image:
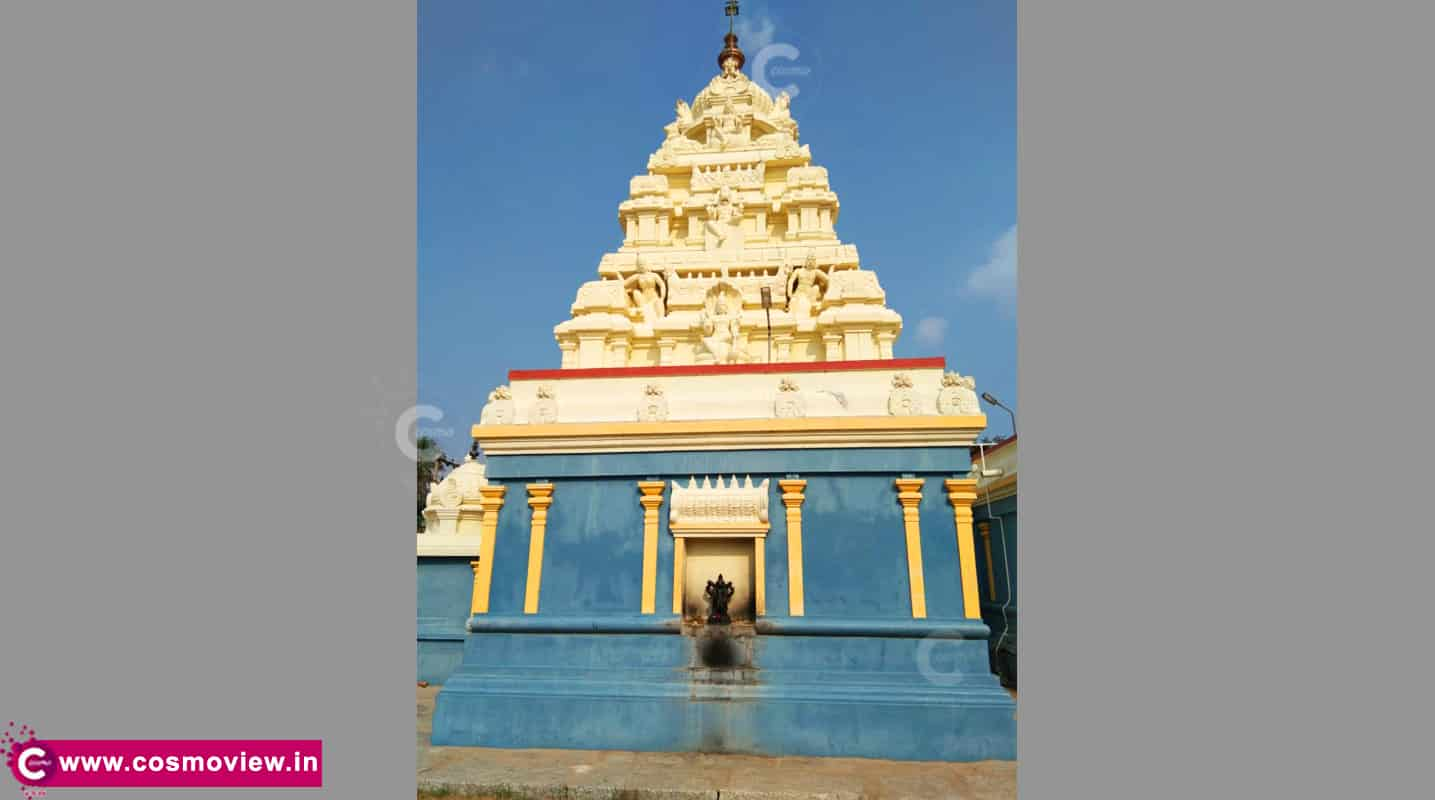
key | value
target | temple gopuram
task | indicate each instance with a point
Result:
(728, 520)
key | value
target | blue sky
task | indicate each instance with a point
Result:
(533, 116)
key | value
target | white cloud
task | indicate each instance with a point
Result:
(997, 277)
(931, 330)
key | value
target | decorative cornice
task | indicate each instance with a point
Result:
(733, 434)
(936, 362)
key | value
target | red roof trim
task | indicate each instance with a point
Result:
(936, 362)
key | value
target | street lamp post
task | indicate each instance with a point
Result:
(990, 398)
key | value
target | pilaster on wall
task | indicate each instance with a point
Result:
(961, 492)
(540, 497)
(909, 494)
(651, 500)
(491, 499)
(985, 529)
(792, 497)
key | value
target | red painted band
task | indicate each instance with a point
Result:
(935, 362)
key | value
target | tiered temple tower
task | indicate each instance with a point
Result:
(731, 205)
(686, 442)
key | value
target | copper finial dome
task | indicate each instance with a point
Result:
(731, 50)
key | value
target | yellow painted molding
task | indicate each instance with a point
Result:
(491, 500)
(729, 434)
(775, 425)
(651, 500)
(909, 494)
(1004, 486)
(960, 493)
(540, 497)
(985, 529)
(718, 530)
(792, 497)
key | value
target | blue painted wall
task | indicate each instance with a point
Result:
(590, 671)
(854, 548)
(1002, 515)
(445, 592)
(1000, 614)
(854, 545)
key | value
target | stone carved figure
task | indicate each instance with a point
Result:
(789, 402)
(499, 409)
(719, 594)
(647, 294)
(805, 288)
(545, 409)
(723, 227)
(721, 325)
(902, 402)
(685, 115)
(654, 405)
(730, 67)
(958, 395)
(459, 486)
(726, 129)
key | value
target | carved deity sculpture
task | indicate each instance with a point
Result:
(647, 294)
(721, 323)
(545, 408)
(719, 594)
(499, 410)
(723, 227)
(805, 288)
(726, 128)
(958, 395)
(789, 401)
(654, 405)
(902, 401)
(730, 67)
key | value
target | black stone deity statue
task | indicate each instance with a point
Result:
(719, 593)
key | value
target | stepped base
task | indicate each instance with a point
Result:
(900, 697)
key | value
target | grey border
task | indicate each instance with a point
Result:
(208, 319)
(1219, 210)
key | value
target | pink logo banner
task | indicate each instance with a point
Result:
(166, 763)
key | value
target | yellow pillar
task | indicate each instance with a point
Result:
(491, 500)
(985, 529)
(759, 580)
(540, 497)
(477, 571)
(792, 498)
(680, 569)
(909, 493)
(651, 500)
(961, 492)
